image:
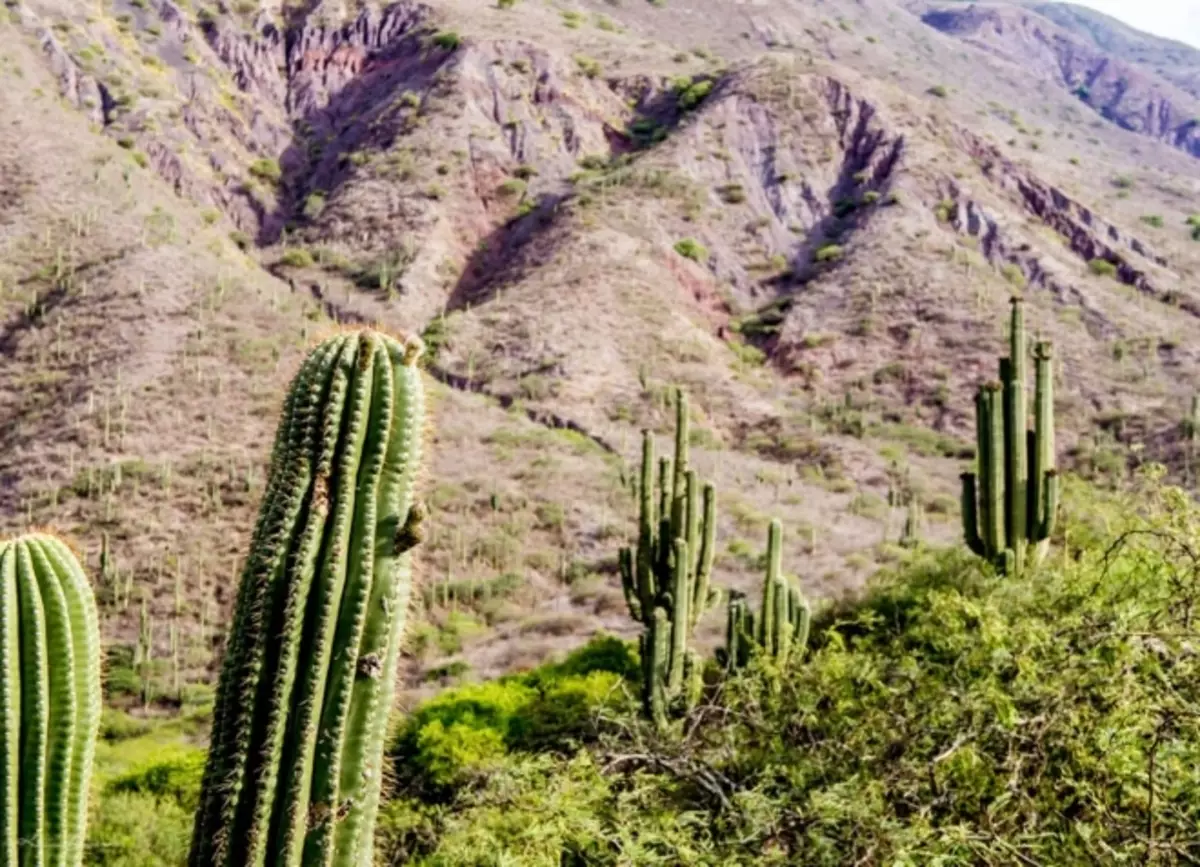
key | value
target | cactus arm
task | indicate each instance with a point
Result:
(693, 679)
(692, 520)
(34, 713)
(970, 516)
(647, 521)
(665, 503)
(679, 480)
(781, 631)
(1016, 473)
(60, 704)
(1035, 490)
(222, 780)
(735, 617)
(84, 636)
(774, 557)
(625, 563)
(259, 821)
(371, 398)
(1043, 448)
(1051, 514)
(702, 601)
(375, 676)
(658, 640)
(803, 624)
(10, 705)
(681, 594)
(993, 510)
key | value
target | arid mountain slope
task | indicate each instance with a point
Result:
(810, 225)
(1122, 92)
(1172, 61)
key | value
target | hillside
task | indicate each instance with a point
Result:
(810, 218)
(1173, 61)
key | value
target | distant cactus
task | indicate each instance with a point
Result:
(781, 628)
(294, 771)
(50, 707)
(666, 576)
(914, 517)
(1009, 519)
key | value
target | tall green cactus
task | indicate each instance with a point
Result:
(294, 770)
(781, 629)
(1009, 515)
(666, 577)
(50, 707)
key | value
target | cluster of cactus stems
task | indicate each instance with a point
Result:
(666, 576)
(1009, 507)
(294, 770)
(50, 707)
(780, 631)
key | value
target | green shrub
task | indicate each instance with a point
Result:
(174, 777)
(589, 66)
(447, 40)
(1014, 275)
(130, 830)
(938, 90)
(1102, 268)
(1153, 220)
(469, 730)
(694, 93)
(827, 253)
(296, 257)
(511, 188)
(266, 170)
(692, 249)
(314, 204)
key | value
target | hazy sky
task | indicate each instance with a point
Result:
(1175, 19)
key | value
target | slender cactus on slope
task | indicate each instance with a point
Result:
(781, 628)
(294, 771)
(1009, 509)
(666, 577)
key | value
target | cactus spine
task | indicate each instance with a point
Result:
(294, 771)
(666, 576)
(781, 629)
(50, 708)
(1009, 509)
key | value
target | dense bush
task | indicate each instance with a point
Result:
(468, 731)
(949, 717)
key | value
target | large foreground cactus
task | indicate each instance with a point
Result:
(293, 774)
(50, 707)
(666, 577)
(1009, 515)
(781, 628)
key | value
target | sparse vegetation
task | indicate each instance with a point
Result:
(938, 90)
(267, 169)
(447, 40)
(589, 66)
(1102, 268)
(828, 253)
(692, 249)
